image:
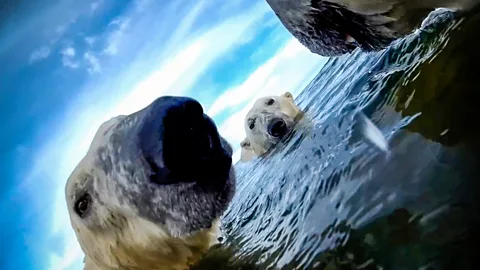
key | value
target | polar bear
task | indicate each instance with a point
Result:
(246, 153)
(269, 120)
(151, 189)
(274, 117)
(336, 27)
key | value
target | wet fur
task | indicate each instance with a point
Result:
(150, 248)
(135, 224)
(247, 153)
(258, 142)
(325, 27)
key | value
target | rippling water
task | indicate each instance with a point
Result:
(329, 199)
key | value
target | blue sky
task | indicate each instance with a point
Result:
(67, 66)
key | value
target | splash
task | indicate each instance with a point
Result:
(372, 133)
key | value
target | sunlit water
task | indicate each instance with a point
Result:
(327, 198)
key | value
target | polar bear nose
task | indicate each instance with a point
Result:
(177, 138)
(277, 128)
(183, 112)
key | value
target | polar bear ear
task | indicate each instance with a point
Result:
(288, 95)
(245, 144)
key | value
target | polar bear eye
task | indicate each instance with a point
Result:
(251, 124)
(82, 205)
(270, 102)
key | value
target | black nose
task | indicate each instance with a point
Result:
(187, 135)
(277, 128)
(178, 140)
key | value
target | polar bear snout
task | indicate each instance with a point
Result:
(182, 144)
(151, 189)
(277, 127)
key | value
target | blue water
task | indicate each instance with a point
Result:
(327, 198)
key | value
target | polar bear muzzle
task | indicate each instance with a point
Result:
(182, 145)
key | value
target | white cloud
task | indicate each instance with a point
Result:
(39, 54)
(94, 5)
(94, 63)
(255, 83)
(181, 71)
(115, 37)
(70, 52)
(68, 60)
(184, 26)
(46, 26)
(57, 33)
(90, 41)
(73, 256)
(141, 5)
(160, 81)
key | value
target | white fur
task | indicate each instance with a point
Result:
(258, 143)
(114, 236)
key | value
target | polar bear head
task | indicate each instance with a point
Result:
(268, 121)
(151, 189)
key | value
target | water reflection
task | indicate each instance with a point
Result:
(328, 200)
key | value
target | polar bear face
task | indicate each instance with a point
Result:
(151, 188)
(270, 119)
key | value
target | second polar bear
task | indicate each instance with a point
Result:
(269, 120)
(274, 117)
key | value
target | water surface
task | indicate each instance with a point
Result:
(327, 198)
